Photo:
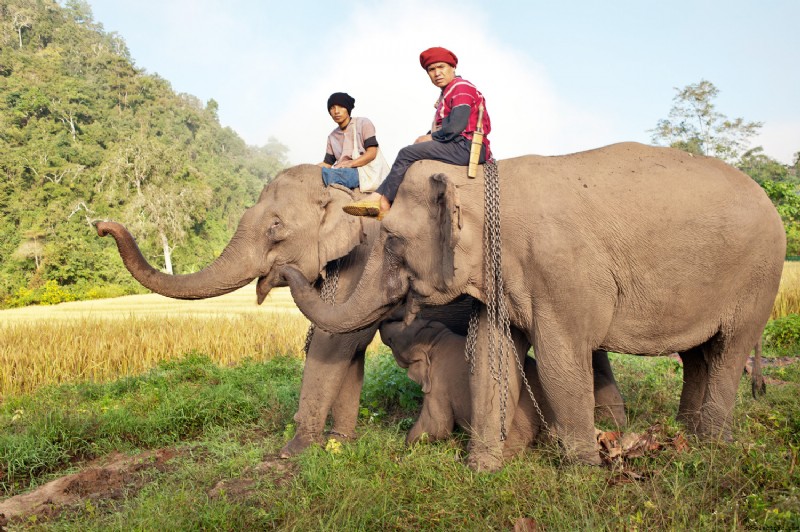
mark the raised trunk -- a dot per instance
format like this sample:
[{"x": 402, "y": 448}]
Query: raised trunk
[
  {"x": 376, "y": 295},
  {"x": 224, "y": 275}
]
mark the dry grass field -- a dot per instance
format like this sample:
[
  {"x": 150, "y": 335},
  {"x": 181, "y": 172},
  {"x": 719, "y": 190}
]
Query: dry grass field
[
  {"x": 788, "y": 300},
  {"x": 102, "y": 340}
]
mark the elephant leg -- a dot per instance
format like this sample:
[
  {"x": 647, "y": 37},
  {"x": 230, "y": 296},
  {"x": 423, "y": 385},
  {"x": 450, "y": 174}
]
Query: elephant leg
[
  {"x": 435, "y": 419},
  {"x": 565, "y": 371},
  {"x": 345, "y": 407},
  {"x": 695, "y": 383},
  {"x": 758, "y": 386},
  {"x": 608, "y": 403},
  {"x": 328, "y": 363},
  {"x": 726, "y": 363},
  {"x": 486, "y": 444}
]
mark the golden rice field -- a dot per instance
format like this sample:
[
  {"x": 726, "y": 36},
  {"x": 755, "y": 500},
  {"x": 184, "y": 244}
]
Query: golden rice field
[
  {"x": 104, "y": 339},
  {"x": 788, "y": 300}
]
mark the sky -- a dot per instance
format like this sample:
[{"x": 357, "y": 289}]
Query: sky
[{"x": 558, "y": 77}]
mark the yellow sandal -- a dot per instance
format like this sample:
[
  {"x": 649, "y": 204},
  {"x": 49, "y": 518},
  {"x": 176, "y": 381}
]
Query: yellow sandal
[{"x": 364, "y": 208}]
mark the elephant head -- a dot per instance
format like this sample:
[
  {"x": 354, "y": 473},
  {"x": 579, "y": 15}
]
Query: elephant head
[
  {"x": 422, "y": 256},
  {"x": 297, "y": 221},
  {"x": 412, "y": 345}
]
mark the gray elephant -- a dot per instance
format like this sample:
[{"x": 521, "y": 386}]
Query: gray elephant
[
  {"x": 434, "y": 358},
  {"x": 297, "y": 221},
  {"x": 627, "y": 248}
]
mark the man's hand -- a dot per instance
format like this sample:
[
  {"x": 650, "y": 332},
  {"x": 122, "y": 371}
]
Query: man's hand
[
  {"x": 423, "y": 138},
  {"x": 346, "y": 164}
]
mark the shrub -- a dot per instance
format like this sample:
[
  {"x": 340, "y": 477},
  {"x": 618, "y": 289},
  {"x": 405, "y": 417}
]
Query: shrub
[
  {"x": 387, "y": 387},
  {"x": 48, "y": 294},
  {"x": 782, "y": 336}
]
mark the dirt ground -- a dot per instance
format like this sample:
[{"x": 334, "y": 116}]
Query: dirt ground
[{"x": 118, "y": 476}]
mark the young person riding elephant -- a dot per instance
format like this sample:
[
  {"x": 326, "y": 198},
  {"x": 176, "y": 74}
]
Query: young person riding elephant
[
  {"x": 352, "y": 155},
  {"x": 458, "y": 110}
]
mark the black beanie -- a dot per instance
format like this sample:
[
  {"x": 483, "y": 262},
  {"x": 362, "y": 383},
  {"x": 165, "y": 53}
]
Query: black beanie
[{"x": 343, "y": 99}]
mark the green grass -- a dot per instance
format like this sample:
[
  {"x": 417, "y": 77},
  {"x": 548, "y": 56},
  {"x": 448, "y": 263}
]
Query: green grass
[{"x": 226, "y": 425}]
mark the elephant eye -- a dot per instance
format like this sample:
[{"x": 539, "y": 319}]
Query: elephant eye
[
  {"x": 276, "y": 230},
  {"x": 395, "y": 245}
]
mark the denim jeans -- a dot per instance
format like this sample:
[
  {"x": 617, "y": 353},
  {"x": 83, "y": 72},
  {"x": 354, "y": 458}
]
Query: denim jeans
[{"x": 343, "y": 176}]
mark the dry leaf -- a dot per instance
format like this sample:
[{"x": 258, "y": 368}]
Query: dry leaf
[{"x": 679, "y": 443}]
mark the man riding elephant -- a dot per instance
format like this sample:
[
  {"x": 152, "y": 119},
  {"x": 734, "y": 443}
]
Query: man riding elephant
[{"x": 460, "y": 112}]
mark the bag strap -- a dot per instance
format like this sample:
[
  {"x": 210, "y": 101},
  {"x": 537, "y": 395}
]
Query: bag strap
[{"x": 355, "y": 122}]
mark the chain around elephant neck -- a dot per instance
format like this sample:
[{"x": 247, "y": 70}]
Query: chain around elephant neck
[
  {"x": 500, "y": 344},
  {"x": 327, "y": 293}
]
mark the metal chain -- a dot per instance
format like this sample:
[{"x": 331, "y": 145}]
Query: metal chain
[
  {"x": 472, "y": 335},
  {"x": 500, "y": 344},
  {"x": 328, "y": 295}
]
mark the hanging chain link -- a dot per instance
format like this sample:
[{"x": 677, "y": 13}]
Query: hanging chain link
[
  {"x": 327, "y": 293},
  {"x": 500, "y": 343}
]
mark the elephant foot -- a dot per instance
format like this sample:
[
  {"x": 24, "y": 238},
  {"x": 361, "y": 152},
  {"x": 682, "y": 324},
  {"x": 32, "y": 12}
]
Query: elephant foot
[
  {"x": 690, "y": 420},
  {"x": 339, "y": 436},
  {"x": 484, "y": 462},
  {"x": 297, "y": 445},
  {"x": 580, "y": 453},
  {"x": 589, "y": 458}
]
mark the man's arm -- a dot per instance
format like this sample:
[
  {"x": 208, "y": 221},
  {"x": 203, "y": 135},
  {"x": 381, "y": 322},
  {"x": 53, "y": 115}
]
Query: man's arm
[{"x": 453, "y": 124}]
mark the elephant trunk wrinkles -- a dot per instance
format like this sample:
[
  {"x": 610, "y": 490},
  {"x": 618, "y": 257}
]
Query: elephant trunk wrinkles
[
  {"x": 220, "y": 277},
  {"x": 367, "y": 305}
]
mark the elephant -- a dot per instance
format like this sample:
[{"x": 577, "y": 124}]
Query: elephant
[
  {"x": 296, "y": 221},
  {"x": 627, "y": 248},
  {"x": 434, "y": 358}
]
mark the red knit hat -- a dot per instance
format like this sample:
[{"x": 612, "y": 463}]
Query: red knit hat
[{"x": 437, "y": 54}]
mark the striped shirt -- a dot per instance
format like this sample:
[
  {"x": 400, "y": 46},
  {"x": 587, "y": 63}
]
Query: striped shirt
[{"x": 457, "y": 93}]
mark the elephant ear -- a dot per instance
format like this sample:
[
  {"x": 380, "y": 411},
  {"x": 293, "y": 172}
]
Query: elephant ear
[
  {"x": 339, "y": 232},
  {"x": 449, "y": 223},
  {"x": 419, "y": 370}
]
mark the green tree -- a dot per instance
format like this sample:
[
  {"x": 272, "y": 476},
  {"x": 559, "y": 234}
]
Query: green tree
[
  {"x": 786, "y": 198},
  {"x": 762, "y": 168},
  {"x": 694, "y": 125},
  {"x": 85, "y": 135}
]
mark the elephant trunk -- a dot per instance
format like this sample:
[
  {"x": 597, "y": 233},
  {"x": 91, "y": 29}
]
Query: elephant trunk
[
  {"x": 224, "y": 275},
  {"x": 378, "y": 292}
]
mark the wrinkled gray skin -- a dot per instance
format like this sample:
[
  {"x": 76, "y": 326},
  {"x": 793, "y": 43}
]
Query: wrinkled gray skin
[
  {"x": 434, "y": 358},
  {"x": 627, "y": 248},
  {"x": 297, "y": 221}
]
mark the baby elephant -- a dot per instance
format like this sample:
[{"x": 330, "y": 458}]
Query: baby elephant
[{"x": 434, "y": 358}]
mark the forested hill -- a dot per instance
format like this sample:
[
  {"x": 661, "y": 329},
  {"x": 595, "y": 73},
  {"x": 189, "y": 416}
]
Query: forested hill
[{"x": 86, "y": 135}]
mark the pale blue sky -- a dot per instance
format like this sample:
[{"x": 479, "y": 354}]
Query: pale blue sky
[{"x": 558, "y": 76}]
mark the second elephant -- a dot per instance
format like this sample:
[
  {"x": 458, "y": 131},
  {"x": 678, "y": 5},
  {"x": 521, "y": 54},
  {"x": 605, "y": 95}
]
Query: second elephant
[{"x": 434, "y": 358}]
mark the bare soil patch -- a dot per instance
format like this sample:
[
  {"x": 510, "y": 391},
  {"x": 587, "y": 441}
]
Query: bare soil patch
[{"x": 111, "y": 477}]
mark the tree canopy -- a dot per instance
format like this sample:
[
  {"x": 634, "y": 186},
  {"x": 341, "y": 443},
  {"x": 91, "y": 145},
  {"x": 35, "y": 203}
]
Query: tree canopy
[
  {"x": 695, "y": 125},
  {"x": 85, "y": 135}
]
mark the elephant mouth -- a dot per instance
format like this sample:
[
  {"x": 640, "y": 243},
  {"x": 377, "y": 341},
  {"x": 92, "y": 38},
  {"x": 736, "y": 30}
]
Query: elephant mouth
[{"x": 263, "y": 288}]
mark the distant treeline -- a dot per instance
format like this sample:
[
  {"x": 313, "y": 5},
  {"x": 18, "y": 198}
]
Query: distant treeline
[{"x": 86, "y": 135}]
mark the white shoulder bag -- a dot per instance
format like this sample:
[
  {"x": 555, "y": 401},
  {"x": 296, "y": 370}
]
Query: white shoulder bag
[{"x": 372, "y": 174}]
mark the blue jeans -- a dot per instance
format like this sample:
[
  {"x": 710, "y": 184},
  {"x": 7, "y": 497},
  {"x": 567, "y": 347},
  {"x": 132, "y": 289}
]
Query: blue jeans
[{"x": 343, "y": 176}]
